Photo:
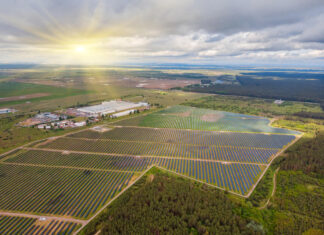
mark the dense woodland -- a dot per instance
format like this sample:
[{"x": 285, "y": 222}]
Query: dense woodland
[
  {"x": 308, "y": 157},
  {"x": 310, "y": 115},
  {"x": 310, "y": 90},
  {"x": 165, "y": 204},
  {"x": 258, "y": 106}
]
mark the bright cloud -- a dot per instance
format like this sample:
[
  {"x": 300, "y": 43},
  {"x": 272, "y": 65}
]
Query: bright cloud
[{"x": 47, "y": 31}]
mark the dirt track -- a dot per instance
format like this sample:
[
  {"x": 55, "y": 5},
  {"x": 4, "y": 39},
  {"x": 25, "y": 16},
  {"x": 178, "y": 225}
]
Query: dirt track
[
  {"x": 23, "y": 97},
  {"x": 273, "y": 189},
  {"x": 278, "y": 154},
  {"x": 67, "y": 219}
]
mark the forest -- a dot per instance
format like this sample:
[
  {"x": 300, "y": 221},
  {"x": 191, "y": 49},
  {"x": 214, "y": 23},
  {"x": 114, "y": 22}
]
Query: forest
[
  {"x": 307, "y": 157},
  {"x": 166, "y": 204},
  {"x": 306, "y": 90},
  {"x": 258, "y": 106}
]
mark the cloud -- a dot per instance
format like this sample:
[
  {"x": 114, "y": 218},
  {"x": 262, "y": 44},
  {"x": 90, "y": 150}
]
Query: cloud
[{"x": 144, "y": 30}]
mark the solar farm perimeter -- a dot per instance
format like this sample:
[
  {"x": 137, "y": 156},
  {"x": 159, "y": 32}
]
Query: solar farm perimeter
[{"x": 68, "y": 179}]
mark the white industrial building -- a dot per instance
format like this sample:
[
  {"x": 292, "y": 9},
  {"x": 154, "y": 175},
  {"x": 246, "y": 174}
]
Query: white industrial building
[
  {"x": 111, "y": 107},
  {"x": 278, "y": 101},
  {"x": 123, "y": 113},
  {"x": 5, "y": 110}
]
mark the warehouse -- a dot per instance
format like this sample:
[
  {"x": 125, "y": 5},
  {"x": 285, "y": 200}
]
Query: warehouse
[
  {"x": 123, "y": 113},
  {"x": 6, "y": 110},
  {"x": 111, "y": 107}
]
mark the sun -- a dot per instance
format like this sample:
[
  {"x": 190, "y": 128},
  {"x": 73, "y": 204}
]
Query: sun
[{"x": 80, "y": 49}]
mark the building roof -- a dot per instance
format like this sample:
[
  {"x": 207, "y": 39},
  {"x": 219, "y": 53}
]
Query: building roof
[{"x": 111, "y": 107}]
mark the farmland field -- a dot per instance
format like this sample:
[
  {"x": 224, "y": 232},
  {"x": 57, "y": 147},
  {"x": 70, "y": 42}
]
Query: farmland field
[
  {"x": 183, "y": 117},
  {"x": 24, "y": 225},
  {"x": 17, "y": 92}
]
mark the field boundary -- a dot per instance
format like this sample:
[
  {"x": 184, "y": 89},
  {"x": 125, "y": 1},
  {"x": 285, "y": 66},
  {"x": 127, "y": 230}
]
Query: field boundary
[
  {"x": 47, "y": 217},
  {"x": 273, "y": 189},
  {"x": 65, "y": 167}
]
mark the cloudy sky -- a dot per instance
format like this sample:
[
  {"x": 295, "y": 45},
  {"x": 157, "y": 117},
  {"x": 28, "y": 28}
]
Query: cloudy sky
[{"x": 174, "y": 31}]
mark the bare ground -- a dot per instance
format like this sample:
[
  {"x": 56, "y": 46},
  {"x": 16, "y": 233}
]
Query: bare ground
[
  {"x": 211, "y": 117},
  {"x": 184, "y": 114},
  {"x": 23, "y": 97}
]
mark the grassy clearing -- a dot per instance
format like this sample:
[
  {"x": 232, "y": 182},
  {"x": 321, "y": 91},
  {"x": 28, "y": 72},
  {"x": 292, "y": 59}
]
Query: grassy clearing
[
  {"x": 264, "y": 189},
  {"x": 307, "y": 126}
]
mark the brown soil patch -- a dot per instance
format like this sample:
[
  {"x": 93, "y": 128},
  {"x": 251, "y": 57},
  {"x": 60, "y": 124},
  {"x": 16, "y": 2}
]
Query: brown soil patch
[
  {"x": 212, "y": 117},
  {"x": 184, "y": 114},
  {"x": 100, "y": 129},
  {"x": 132, "y": 180},
  {"x": 44, "y": 223},
  {"x": 166, "y": 84},
  {"x": 50, "y": 139},
  {"x": 151, "y": 178},
  {"x": 23, "y": 97},
  {"x": 248, "y": 118}
]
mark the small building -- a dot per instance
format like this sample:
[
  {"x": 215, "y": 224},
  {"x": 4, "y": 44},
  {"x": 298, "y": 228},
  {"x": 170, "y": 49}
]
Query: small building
[
  {"x": 111, "y": 107},
  {"x": 44, "y": 126},
  {"x": 40, "y": 119},
  {"x": 205, "y": 81},
  {"x": 79, "y": 124},
  {"x": 48, "y": 116},
  {"x": 278, "y": 101},
  {"x": 121, "y": 114},
  {"x": 6, "y": 110}
]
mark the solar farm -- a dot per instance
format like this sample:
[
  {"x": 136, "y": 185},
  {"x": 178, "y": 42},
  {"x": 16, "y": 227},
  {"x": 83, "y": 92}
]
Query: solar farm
[
  {"x": 76, "y": 175},
  {"x": 25, "y": 225},
  {"x": 184, "y": 117}
]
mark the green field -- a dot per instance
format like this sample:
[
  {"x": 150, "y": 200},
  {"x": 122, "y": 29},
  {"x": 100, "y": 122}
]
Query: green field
[
  {"x": 10, "y": 89},
  {"x": 183, "y": 117}
]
